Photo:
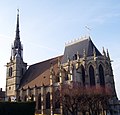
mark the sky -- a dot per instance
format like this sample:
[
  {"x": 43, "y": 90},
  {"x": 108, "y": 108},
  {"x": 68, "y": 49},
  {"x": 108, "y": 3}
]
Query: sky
[{"x": 46, "y": 25}]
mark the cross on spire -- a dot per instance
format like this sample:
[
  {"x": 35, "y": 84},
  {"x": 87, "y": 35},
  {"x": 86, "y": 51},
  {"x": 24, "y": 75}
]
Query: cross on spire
[
  {"x": 17, "y": 47},
  {"x": 18, "y": 11}
]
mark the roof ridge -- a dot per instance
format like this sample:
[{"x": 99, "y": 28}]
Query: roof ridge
[
  {"x": 46, "y": 60},
  {"x": 82, "y": 38}
]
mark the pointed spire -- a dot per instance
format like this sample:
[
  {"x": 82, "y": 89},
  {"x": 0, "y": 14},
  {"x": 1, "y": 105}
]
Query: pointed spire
[
  {"x": 84, "y": 54},
  {"x": 51, "y": 69},
  {"x": 94, "y": 54},
  {"x": 78, "y": 56},
  {"x": 108, "y": 54},
  {"x": 11, "y": 55},
  {"x": 17, "y": 26},
  {"x": 17, "y": 47},
  {"x": 104, "y": 53},
  {"x": 68, "y": 59},
  {"x": 59, "y": 62}
]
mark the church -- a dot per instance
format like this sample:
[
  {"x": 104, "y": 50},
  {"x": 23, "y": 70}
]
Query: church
[{"x": 81, "y": 62}]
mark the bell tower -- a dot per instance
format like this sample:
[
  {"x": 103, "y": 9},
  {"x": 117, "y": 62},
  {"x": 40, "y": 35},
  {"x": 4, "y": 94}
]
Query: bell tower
[{"x": 16, "y": 67}]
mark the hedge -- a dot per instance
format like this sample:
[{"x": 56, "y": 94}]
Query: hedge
[{"x": 17, "y": 108}]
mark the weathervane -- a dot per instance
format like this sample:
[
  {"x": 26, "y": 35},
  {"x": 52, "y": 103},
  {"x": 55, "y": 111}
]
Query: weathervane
[
  {"x": 88, "y": 30},
  {"x": 18, "y": 11}
]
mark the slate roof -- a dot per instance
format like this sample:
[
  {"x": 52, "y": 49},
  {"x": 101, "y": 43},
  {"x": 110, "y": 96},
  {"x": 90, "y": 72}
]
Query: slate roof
[
  {"x": 39, "y": 73},
  {"x": 84, "y": 44}
]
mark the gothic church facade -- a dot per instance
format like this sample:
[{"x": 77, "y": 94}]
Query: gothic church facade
[{"x": 81, "y": 62}]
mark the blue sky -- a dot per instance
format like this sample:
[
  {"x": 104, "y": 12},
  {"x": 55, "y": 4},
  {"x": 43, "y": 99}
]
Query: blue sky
[{"x": 46, "y": 25}]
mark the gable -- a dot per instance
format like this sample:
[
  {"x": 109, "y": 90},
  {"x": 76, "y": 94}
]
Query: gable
[{"x": 81, "y": 45}]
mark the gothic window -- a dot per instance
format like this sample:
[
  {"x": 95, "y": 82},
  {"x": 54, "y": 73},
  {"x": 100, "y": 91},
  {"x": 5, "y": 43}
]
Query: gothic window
[
  {"x": 92, "y": 76},
  {"x": 57, "y": 99},
  {"x": 25, "y": 98},
  {"x": 32, "y": 97},
  {"x": 75, "y": 57},
  {"x": 101, "y": 75},
  {"x": 66, "y": 77},
  {"x": 48, "y": 100},
  {"x": 57, "y": 78},
  {"x": 39, "y": 102},
  {"x": 83, "y": 75},
  {"x": 10, "y": 71},
  {"x": 57, "y": 104}
]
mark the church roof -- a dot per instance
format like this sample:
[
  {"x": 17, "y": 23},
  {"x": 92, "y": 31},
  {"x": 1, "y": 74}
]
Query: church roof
[
  {"x": 39, "y": 73},
  {"x": 78, "y": 47}
]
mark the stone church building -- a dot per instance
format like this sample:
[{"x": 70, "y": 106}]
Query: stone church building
[{"x": 81, "y": 62}]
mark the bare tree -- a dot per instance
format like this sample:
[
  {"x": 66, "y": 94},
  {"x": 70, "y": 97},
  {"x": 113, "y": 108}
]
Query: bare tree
[
  {"x": 98, "y": 100},
  {"x": 75, "y": 98}
]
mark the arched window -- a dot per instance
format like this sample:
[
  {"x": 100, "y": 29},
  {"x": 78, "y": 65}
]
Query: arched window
[
  {"x": 66, "y": 77},
  {"x": 10, "y": 72},
  {"x": 75, "y": 56},
  {"x": 39, "y": 102},
  {"x": 57, "y": 78},
  {"x": 48, "y": 100},
  {"x": 25, "y": 98},
  {"x": 92, "y": 76},
  {"x": 101, "y": 75},
  {"x": 32, "y": 97},
  {"x": 83, "y": 75},
  {"x": 57, "y": 99}
]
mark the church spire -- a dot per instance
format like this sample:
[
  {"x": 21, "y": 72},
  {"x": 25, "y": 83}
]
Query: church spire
[
  {"x": 17, "y": 26},
  {"x": 17, "y": 47},
  {"x": 17, "y": 43}
]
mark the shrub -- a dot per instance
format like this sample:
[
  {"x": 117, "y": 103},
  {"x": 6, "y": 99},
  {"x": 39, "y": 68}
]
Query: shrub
[{"x": 17, "y": 108}]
